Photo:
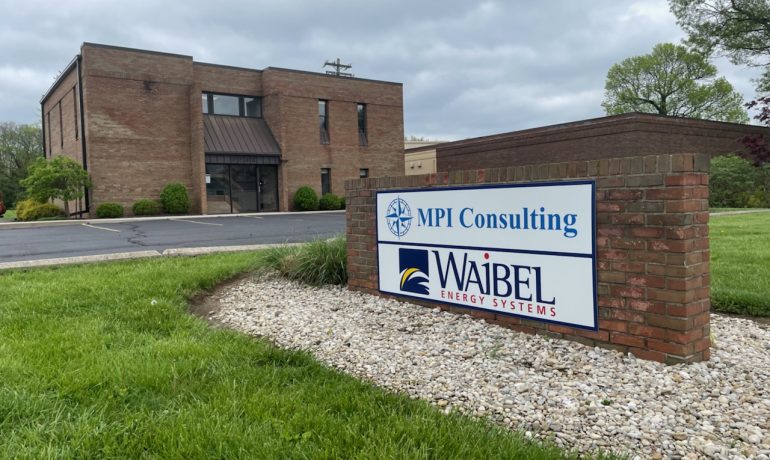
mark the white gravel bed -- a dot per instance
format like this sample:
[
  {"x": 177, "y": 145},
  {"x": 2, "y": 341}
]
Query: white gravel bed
[{"x": 581, "y": 397}]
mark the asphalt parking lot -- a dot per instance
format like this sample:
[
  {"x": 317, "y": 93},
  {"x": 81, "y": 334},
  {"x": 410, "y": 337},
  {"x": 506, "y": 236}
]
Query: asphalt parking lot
[{"x": 72, "y": 240}]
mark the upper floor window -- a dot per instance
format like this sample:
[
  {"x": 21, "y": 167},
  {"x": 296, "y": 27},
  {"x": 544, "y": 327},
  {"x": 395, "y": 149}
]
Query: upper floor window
[
  {"x": 237, "y": 106},
  {"x": 323, "y": 120},
  {"x": 362, "y": 139}
]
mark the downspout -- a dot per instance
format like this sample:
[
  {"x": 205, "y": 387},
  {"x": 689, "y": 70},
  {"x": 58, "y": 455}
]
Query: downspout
[{"x": 82, "y": 130}]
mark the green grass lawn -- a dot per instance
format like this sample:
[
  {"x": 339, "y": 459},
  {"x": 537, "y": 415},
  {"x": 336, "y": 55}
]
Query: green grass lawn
[
  {"x": 740, "y": 263},
  {"x": 104, "y": 361}
]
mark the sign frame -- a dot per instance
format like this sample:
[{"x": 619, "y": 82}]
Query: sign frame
[{"x": 592, "y": 256}]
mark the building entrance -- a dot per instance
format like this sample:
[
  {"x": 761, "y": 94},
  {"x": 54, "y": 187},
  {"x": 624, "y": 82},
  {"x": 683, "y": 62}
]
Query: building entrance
[{"x": 237, "y": 188}]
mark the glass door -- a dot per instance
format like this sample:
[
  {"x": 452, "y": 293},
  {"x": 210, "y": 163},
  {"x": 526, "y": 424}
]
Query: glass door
[
  {"x": 218, "y": 189},
  {"x": 243, "y": 188},
  {"x": 268, "y": 188}
]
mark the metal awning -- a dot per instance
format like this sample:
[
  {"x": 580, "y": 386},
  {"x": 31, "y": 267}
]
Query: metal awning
[{"x": 238, "y": 136}]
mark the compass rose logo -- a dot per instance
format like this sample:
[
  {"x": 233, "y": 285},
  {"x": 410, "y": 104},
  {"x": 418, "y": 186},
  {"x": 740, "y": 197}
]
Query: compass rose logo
[{"x": 399, "y": 217}]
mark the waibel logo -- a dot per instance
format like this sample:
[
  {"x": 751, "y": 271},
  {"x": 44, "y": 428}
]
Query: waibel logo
[
  {"x": 399, "y": 217},
  {"x": 413, "y": 267}
]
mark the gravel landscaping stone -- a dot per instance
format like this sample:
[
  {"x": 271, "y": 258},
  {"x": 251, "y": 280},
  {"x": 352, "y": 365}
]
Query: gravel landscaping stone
[{"x": 580, "y": 397}]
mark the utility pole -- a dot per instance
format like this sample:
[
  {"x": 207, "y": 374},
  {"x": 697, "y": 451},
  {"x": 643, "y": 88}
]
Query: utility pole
[{"x": 339, "y": 67}]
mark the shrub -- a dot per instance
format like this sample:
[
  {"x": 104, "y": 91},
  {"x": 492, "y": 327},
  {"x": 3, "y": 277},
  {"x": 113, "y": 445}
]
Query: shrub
[
  {"x": 174, "y": 199},
  {"x": 732, "y": 182},
  {"x": 146, "y": 208},
  {"x": 108, "y": 210},
  {"x": 342, "y": 202},
  {"x": 316, "y": 263},
  {"x": 305, "y": 199},
  {"x": 24, "y": 206},
  {"x": 330, "y": 201},
  {"x": 29, "y": 210}
]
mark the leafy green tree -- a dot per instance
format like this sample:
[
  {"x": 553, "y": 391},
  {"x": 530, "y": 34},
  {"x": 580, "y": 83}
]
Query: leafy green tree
[
  {"x": 738, "y": 29},
  {"x": 61, "y": 178},
  {"x": 20, "y": 145},
  {"x": 672, "y": 81}
]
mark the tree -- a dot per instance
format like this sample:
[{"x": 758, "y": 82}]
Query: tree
[
  {"x": 20, "y": 145},
  {"x": 672, "y": 81},
  {"x": 61, "y": 178},
  {"x": 738, "y": 29}
]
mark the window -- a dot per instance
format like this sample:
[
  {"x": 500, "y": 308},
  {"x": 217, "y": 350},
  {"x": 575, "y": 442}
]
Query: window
[
  {"x": 226, "y": 105},
  {"x": 75, "y": 111},
  {"x": 326, "y": 181},
  {"x": 362, "y": 140},
  {"x": 363, "y": 173},
  {"x": 236, "y": 106},
  {"x": 323, "y": 120},
  {"x": 252, "y": 107}
]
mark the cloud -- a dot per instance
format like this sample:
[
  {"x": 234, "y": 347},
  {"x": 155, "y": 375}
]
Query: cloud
[{"x": 468, "y": 68}]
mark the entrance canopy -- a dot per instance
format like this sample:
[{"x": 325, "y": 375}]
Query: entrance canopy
[{"x": 226, "y": 137}]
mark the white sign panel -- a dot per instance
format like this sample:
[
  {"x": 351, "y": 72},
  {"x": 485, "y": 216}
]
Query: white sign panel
[{"x": 522, "y": 250}]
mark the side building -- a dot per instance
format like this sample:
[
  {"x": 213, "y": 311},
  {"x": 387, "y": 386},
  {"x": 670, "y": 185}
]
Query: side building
[{"x": 240, "y": 140}]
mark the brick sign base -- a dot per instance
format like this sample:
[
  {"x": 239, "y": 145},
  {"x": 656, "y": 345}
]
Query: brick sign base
[{"x": 652, "y": 249}]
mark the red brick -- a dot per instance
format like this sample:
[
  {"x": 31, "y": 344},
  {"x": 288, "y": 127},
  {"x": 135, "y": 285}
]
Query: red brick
[
  {"x": 649, "y": 355},
  {"x": 678, "y": 349},
  {"x": 628, "y": 340},
  {"x": 684, "y": 179},
  {"x": 646, "y": 331},
  {"x": 613, "y": 325}
]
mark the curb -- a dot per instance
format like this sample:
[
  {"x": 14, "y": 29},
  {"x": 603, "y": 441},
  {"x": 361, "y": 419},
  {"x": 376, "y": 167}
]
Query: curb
[
  {"x": 79, "y": 259},
  {"x": 175, "y": 252},
  {"x": 123, "y": 220}
]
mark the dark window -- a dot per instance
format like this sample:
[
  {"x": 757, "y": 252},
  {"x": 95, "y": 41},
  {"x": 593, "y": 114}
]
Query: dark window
[
  {"x": 362, "y": 139},
  {"x": 326, "y": 181},
  {"x": 75, "y": 110},
  {"x": 323, "y": 120},
  {"x": 236, "y": 106},
  {"x": 363, "y": 173},
  {"x": 226, "y": 105},
  {"x": 61, "y": 127},
  {"x": 252, "y": 107},
  {"x": 50, "y": 141}
]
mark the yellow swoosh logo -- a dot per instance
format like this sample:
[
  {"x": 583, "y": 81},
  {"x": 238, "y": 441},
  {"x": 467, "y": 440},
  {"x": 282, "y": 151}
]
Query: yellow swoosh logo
[{"x": 407, "y": 273}]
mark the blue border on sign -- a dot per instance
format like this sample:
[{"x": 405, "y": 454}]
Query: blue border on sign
[{"x": 592, "y": 183}]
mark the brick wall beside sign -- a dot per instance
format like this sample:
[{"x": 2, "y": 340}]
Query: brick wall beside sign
[{"x": 652, "y": 252}]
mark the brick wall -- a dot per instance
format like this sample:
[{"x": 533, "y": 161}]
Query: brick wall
[
  {"x": 291, "y": 111},
  {"x": 652, "y": 249},
  {"x": 138, "y": 107},
  {"x": 608, "y": 137}
]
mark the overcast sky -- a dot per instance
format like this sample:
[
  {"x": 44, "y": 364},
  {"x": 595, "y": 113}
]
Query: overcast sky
[{"x": 468, "y": 68}]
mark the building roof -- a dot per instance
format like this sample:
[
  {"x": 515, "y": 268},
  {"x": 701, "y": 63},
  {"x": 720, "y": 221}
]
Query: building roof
[{"x": 238, "y": 135}]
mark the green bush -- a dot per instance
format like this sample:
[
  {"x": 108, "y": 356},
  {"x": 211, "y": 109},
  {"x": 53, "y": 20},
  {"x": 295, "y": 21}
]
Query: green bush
[
  {"x": 305, "y": 199},
  {"x": 146, "y": 208},
  {"x": 29, "y": 210},
  {"x": 735, "y": 183},
  {"x": 330, "y": 201},
  {"x": 23, "y": 207},
  {"x": 174, "y": 199},
  {"x": 316, "y": 263},
  {"x": 342, "y": 202},
  {"x": 109, "y": 210}
]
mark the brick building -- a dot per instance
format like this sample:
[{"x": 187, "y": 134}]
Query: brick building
[
  {"x": 617, "y": 136},
  {"x": 240, "y": 140}
]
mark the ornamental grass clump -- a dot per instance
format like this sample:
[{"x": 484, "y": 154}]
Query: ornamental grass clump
[{"x": 316, "y": 263}]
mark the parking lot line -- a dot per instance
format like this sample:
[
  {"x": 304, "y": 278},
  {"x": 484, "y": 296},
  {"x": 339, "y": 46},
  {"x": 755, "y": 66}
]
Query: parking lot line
[
  {"x": 196, "y": 222},
  {"x": 101, "y": 228}
]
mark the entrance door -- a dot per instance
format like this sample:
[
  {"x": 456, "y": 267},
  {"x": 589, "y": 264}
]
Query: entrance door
[
  {"x": 268, "y": 188},
  {"x": 243, "y": 188},
  {"x": 218, "y": 189}
]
